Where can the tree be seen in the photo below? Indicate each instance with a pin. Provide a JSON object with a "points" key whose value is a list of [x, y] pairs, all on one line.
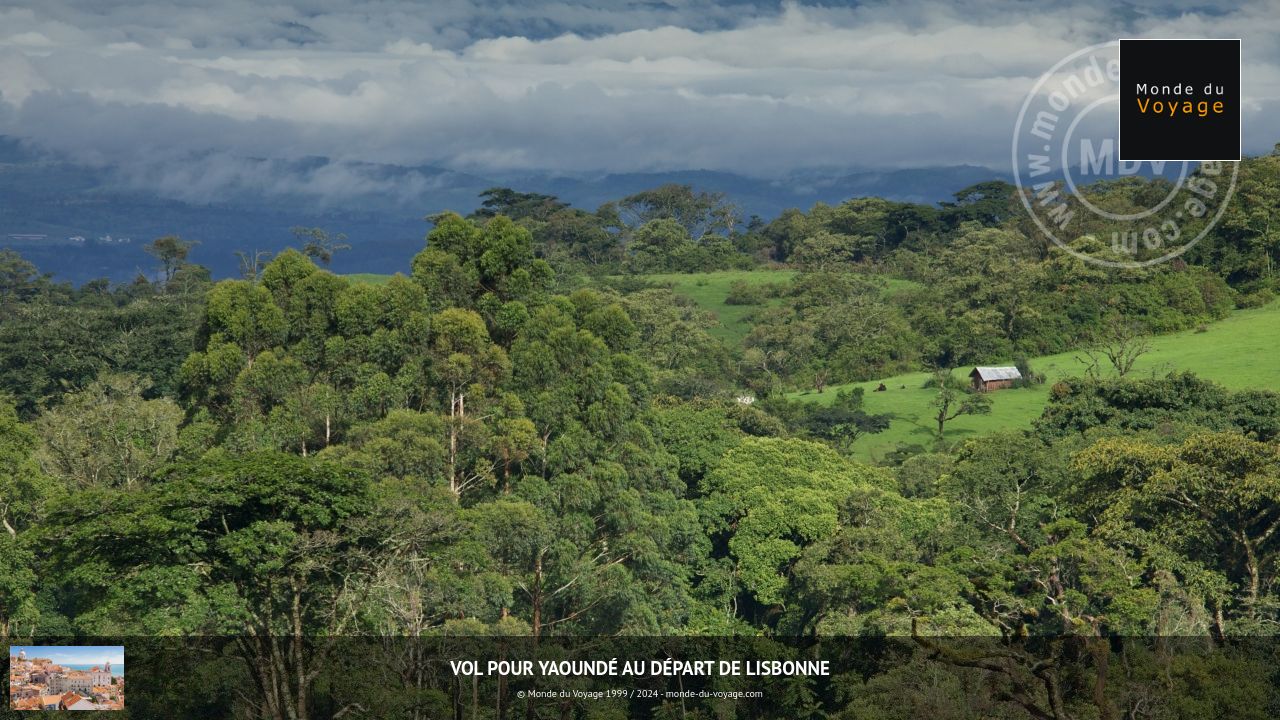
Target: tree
{"points": [[1246, 243], [1036, 575], [466, 363], [655, 244], [778, 347], [18, 584], [251, 263], [698, 212], [268, 548], [844, 421], [434, 572], [605, 542], [579, 235], [318, 244], [985, 294], [517, 205], [465, 265], [952, 402], [673, 335], [769, 498], [1207, 509], [987, 202], [171, 251], [244, 313], [19, 279], [879, 570], [406, 444], [1122, 342], [24, 491], [51, 345], [108, 435], [785, 233], [824, 251]]}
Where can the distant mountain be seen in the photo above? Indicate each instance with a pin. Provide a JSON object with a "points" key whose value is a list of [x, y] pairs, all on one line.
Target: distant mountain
{"points": [[765, 197], [81, 221]]}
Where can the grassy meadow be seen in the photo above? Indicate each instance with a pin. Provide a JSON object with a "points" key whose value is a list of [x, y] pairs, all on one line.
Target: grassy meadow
{"points": [[709, 290], [1242, 351]]}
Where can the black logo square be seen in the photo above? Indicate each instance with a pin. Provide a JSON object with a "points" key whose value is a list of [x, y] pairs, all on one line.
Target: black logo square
{"points": [[1179, 99]]}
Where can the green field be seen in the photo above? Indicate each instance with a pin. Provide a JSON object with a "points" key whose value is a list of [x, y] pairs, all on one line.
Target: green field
{"points": [[709, 290], [1238, 352]]}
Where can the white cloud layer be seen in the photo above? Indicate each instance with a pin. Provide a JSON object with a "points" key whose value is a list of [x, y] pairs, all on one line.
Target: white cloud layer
{"points": [[760, 89]]}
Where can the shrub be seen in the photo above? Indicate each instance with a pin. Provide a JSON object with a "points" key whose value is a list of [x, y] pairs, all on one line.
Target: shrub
{"points": [[1030, 378], [1255, 299], [743, 293]]}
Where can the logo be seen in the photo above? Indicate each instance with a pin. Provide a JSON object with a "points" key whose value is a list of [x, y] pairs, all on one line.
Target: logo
{"points": [[1180, 99], [1087, 201]]}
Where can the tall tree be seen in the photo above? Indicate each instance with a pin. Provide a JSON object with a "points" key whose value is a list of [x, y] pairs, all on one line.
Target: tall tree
{"points": [[517, 205], [467, 365], [23, 487], [1212, 502], [954, 400], [109, 435], [318, 244], [698, 212], [171, 251], [769, 498], [268, 548]]}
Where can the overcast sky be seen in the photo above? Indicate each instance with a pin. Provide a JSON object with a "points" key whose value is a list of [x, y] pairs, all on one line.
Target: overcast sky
{"points": [[753, 87]]}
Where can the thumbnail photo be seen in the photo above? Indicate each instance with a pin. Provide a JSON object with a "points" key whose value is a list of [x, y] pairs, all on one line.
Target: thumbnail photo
{"points": [[66, 677]]}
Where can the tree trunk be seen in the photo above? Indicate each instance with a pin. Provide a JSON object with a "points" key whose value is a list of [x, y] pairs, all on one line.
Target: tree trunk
{"points": [[536, 595], [457, 414], [1251, 567], [1100, 648], [1219, 633], [300, 665]]}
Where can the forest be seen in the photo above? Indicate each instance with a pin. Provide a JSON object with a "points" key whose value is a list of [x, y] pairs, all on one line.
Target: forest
{"points": [[531, 436]]}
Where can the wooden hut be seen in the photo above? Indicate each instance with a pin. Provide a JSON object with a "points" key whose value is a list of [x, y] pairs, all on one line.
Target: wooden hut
{"points": [[986, 379]]}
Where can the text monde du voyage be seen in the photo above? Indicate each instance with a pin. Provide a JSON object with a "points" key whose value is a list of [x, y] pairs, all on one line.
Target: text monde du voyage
{"points": [[1175, 100]]}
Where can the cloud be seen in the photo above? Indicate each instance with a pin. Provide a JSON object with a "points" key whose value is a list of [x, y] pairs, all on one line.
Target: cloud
{"points": [[756, 88]]}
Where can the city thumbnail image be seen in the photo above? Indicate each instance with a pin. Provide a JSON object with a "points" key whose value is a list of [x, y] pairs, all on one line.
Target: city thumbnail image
{"points": [[66, 677]]}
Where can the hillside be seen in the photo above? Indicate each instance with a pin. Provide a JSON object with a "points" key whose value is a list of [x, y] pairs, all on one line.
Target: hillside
{"points": [[710, 289], [1238, 352]]}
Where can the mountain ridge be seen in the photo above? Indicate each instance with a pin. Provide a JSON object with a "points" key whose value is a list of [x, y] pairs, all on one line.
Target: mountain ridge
{"points": [[232, 204]]}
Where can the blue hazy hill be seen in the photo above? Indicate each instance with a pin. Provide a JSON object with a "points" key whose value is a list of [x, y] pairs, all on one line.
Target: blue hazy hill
{"points": [[81, 221]]}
